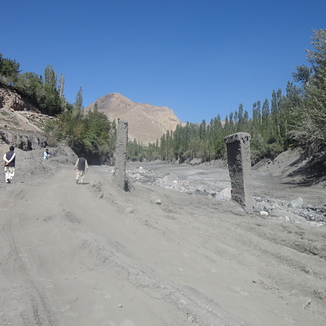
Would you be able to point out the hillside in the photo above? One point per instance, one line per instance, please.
(146, 122)
(21, 124)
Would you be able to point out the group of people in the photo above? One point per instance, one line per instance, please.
(9, 158)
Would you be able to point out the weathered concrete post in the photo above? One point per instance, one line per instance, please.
(121, 155)
(238, 151)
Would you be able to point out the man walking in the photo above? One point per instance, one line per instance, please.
(10, 160)
(81, 168)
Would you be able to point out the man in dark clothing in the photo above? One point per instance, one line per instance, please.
(10, 160)
(81, 168)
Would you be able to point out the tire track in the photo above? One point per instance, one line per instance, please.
(17, 271)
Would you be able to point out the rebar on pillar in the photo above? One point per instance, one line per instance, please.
(239, 163)
(121, 155)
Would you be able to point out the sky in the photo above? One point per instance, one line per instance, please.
(200, 58)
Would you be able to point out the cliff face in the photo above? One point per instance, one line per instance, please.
(20, 122)
(10, 99)
(146, 122)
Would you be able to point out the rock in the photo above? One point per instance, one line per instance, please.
(296, 203)
(23, 140)
(225, 194)
(12, 101)
(307, 304)
(293, 212)
(195, 161)
(156, 201)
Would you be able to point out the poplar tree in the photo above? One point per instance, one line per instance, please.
(79, 100)
(61, 85)
(50, 77)
(265, 114)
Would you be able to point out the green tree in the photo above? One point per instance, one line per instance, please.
(302, 75)
(79, 100)
(265, 114)
(310, 130)
(61, 85)
(31, 85)
(50, 78)
(50, 101)
(9, 70)
(91, 134)
(240, 117)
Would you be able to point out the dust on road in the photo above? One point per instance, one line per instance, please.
(94, 255)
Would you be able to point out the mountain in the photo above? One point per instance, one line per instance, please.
(146, 122)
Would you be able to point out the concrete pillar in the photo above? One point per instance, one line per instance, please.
(239, 163)
(121, 155)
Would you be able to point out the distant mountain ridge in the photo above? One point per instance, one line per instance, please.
(146, 122)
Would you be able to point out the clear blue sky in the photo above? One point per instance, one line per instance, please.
(200, 58)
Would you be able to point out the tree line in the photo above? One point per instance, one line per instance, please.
(269, 128)
(295, 118)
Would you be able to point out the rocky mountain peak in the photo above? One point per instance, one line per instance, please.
(113, 101)
(146, 122)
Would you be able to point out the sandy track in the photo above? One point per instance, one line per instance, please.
(92, 255)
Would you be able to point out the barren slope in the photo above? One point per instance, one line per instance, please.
(146, 122)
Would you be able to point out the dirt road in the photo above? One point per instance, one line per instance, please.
(94, 255)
